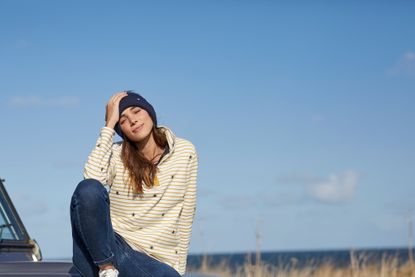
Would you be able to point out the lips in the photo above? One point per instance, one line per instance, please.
(138, 128)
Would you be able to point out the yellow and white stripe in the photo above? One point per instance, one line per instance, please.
(159, 221)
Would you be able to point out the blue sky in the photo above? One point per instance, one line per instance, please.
(302, 113)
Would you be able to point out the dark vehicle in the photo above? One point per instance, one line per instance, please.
(19, 254)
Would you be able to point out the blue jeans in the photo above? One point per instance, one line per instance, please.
(95, 243)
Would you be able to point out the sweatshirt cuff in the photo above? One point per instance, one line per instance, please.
(105, 137)
(107, 131)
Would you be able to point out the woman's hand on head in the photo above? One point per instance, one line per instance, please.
(112, 109)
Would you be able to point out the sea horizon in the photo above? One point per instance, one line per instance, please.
(194, 256)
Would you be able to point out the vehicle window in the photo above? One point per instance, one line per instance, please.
(11, 227)
(7, 230)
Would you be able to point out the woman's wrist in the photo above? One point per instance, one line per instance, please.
(110, 124)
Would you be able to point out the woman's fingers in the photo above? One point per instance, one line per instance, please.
(117, 99)
(117, 96)
(120, 96)
(111, 113)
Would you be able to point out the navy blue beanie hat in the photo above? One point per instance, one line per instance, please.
(134, 100)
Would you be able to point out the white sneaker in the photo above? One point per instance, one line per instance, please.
(111, 272)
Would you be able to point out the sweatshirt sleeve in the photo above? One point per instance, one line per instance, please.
(188, 212)
(100, 163)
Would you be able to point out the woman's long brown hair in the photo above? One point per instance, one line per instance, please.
(140, 169)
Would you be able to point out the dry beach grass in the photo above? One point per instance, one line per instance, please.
(360, 266)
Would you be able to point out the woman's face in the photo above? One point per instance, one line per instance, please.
(136, 123)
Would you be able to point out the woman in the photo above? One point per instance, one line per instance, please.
(142, 226)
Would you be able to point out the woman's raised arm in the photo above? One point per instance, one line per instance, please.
(99, 165)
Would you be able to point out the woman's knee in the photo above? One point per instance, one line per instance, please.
(89, 190)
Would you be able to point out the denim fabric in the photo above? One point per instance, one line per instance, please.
(95, 242)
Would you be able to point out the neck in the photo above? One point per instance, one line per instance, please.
(149, 148)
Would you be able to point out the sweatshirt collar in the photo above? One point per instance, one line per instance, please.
(171, 140)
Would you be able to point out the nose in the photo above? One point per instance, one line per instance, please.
(133, 122)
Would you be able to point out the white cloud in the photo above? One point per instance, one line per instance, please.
(297, 188)
(336, 189)
(38, 102)
(405, 65)
(298, 178)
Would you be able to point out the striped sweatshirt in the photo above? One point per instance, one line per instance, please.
(159, 221)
